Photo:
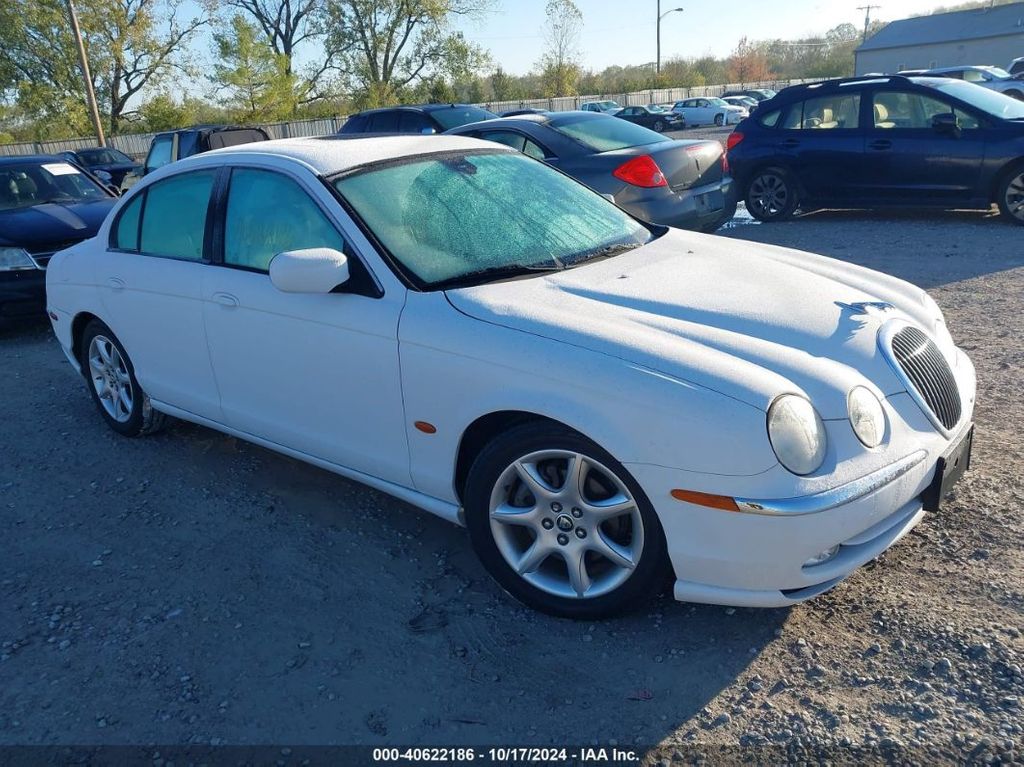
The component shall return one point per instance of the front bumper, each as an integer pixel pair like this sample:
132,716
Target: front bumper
701,208
757,557
22,295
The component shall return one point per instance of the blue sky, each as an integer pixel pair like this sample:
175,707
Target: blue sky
623,31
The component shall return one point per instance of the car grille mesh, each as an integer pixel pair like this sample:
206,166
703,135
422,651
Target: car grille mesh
928,372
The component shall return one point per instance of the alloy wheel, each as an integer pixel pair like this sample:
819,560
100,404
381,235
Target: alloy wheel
566,524
110,379
769,195
1015,197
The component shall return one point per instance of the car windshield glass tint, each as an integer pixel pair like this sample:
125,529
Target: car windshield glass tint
989,101
453,117
27,184
462,217
103,157
606,134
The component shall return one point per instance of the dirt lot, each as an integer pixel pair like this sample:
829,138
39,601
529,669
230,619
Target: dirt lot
191,588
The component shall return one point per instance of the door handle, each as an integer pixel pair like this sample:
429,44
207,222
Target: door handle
790,143
881,144
225,299
115,283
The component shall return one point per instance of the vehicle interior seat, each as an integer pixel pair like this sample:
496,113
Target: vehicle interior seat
882,116
827,119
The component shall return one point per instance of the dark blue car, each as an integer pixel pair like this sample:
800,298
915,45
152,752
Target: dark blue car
875,142
46,205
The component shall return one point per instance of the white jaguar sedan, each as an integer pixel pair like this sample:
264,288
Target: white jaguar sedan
601,401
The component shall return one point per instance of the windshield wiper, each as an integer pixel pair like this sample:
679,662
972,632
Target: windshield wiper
494,274
608,251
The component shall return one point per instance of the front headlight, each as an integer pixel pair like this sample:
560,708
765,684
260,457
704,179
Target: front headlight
796,433
15,259
866,416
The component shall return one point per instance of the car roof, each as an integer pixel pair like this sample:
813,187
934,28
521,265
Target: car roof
30,158
334,154
415,108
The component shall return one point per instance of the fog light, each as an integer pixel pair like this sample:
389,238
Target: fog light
823,557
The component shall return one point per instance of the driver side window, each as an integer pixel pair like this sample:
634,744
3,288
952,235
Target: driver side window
267,214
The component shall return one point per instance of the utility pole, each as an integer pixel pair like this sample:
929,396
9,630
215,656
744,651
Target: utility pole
90,95
867,17
657,65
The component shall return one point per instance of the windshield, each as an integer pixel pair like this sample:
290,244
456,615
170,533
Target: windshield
1001,74
655,108
453,117
457,219
988,101
94,157
23,185
604,133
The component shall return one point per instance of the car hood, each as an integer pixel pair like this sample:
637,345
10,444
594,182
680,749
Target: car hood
43,225
747,320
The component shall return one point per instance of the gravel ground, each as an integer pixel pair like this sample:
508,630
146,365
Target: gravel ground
191,588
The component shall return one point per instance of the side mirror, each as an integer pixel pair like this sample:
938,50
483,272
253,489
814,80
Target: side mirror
314,270
947,123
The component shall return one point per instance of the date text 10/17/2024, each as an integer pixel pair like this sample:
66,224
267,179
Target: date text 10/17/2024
503,754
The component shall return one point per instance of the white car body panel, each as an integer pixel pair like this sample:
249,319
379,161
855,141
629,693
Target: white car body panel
668,357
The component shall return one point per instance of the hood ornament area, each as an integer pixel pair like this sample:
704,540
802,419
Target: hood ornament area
865,307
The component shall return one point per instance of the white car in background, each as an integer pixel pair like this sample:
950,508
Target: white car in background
601,401
709,111
990,77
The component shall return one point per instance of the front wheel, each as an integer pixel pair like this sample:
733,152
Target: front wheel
659,126
1011,195
719,120
771,195
561,525
108,370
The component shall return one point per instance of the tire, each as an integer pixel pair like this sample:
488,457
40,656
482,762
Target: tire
771,195
515,515
1010,195
109,374
719,120
659,126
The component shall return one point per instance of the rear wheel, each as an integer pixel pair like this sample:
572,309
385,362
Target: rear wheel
720,120
771,195
1011,195
561,525
108,370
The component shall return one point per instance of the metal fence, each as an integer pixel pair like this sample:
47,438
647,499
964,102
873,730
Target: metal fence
137,144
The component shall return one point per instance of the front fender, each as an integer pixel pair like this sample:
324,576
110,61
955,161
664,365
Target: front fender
456,369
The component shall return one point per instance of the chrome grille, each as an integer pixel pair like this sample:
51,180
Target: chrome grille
45,253
928,372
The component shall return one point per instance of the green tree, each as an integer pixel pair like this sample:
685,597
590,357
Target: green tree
559,65
254,81
504,86
390,45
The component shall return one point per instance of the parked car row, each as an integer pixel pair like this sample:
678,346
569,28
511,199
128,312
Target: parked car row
880,141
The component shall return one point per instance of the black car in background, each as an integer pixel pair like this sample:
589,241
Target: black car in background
109,165
414,118
177,145
46,205
881,141
675,183
653,116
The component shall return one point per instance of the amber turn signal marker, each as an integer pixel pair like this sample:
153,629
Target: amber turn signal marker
426,428
723,502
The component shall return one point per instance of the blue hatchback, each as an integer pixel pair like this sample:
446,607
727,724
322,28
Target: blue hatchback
874,142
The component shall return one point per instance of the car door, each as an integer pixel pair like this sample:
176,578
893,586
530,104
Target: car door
908,160
822,142
150,282
316,373
632,114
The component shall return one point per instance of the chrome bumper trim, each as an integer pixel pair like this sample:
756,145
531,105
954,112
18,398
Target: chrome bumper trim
837,496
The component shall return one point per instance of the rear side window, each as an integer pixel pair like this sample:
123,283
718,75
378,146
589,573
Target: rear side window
770,119
126,232
222,138
837,111
606,134
174,217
